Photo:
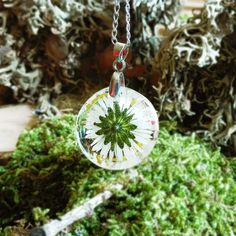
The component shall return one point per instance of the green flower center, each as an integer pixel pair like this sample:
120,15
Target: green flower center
116,127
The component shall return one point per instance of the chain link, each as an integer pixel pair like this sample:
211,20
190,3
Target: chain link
116,21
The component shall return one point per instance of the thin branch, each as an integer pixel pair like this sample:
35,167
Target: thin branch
55,226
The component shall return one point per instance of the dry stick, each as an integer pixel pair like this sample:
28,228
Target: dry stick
55,226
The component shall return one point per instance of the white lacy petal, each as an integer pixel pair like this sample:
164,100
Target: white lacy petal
111,155
129,153
124,103
126,150
136,146
103,106
91,128
92,118
91,135
97,111
105,150
147,132
143,124
139,137
118,153
108,102
98,143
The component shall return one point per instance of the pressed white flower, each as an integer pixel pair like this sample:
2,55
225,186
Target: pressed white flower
117,133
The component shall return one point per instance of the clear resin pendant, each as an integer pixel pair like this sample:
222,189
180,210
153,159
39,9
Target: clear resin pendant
117,132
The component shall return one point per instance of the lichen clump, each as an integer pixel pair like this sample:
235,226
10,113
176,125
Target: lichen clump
185,187
197,66
49,47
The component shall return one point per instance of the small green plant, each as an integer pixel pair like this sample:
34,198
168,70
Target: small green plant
40,215
116,127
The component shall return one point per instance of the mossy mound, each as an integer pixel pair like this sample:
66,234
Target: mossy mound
184,188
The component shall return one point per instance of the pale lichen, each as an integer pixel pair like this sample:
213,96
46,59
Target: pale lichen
34,30
196,62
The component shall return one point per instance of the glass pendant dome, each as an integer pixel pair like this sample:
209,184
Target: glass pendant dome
117,133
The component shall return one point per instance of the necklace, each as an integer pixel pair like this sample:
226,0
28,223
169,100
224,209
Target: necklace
117,127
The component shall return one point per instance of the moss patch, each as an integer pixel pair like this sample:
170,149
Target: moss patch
185,188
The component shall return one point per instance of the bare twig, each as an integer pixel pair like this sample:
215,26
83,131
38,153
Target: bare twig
55,226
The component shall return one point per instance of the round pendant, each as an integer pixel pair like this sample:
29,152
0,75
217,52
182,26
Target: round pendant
117,133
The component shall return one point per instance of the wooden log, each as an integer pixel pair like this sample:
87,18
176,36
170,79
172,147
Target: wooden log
56,226
189,5
13,120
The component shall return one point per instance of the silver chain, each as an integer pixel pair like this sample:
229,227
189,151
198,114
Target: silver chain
116,21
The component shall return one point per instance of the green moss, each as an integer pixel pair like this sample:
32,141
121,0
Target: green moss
185,188
37,175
